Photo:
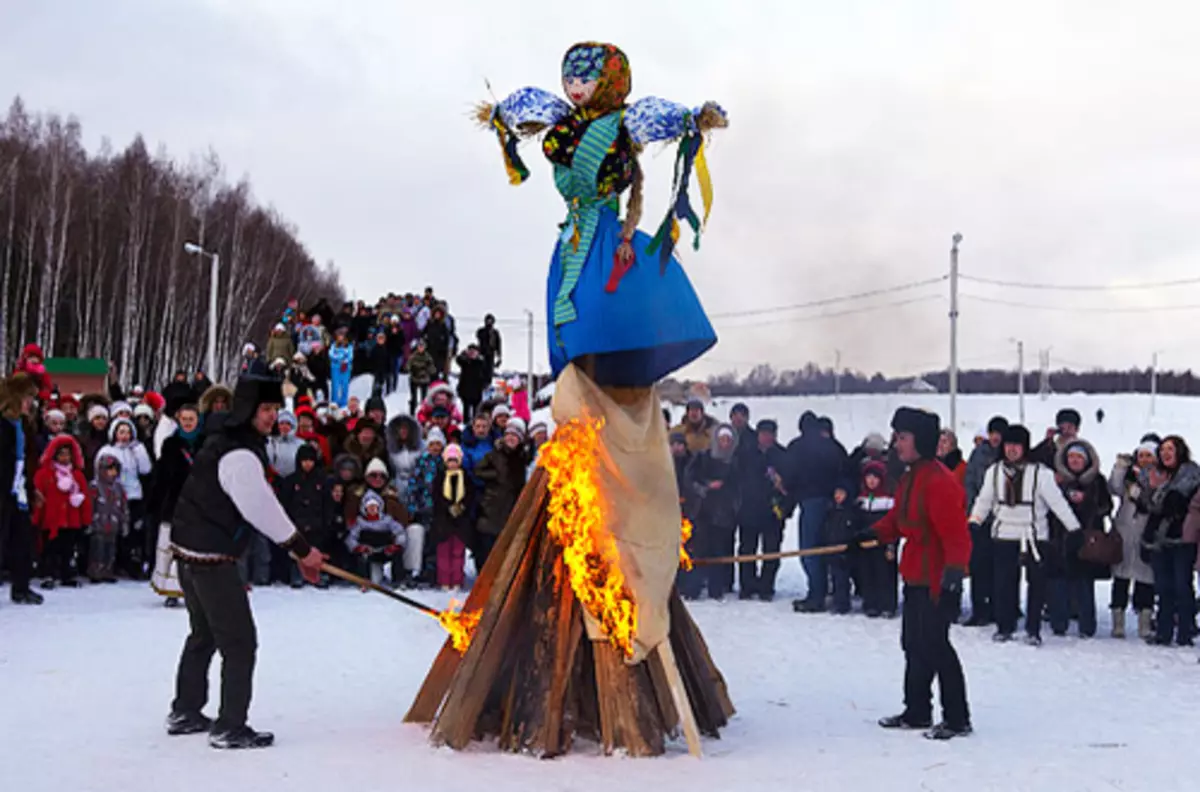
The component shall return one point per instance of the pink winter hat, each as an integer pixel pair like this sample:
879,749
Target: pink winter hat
453,451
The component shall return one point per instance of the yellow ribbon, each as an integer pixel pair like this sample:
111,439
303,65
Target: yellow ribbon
705,181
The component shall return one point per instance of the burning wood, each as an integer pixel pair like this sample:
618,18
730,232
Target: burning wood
460,624
577,523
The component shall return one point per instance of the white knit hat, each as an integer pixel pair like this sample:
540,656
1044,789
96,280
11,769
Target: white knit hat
376,465
1149,446
435,436
143,409
96,411
55,415
501,409
286,417
515,426
119,407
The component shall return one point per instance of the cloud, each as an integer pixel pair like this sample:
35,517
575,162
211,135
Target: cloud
1060,138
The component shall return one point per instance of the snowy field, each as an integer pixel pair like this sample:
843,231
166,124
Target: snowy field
86,679
85,682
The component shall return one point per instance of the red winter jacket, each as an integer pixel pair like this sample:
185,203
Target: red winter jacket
56,512
37,371
929,514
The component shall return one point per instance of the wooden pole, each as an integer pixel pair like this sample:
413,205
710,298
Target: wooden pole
683,706
350,577
812,551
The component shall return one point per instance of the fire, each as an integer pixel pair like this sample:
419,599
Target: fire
685,534
460,624
576,522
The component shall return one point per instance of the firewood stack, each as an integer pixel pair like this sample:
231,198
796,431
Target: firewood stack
533,680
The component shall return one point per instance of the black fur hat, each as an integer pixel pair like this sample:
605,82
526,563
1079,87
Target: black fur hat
1068,416
925,428
1017,435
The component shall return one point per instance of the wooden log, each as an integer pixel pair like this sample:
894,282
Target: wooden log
680,697
433,691
477,671
629,716
703,680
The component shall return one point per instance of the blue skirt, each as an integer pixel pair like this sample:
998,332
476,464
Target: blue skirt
651,326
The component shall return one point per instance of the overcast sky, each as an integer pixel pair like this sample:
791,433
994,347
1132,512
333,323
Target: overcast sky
1061,138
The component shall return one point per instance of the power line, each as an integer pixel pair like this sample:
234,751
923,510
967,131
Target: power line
835,314
1085,309
1082,287
829,300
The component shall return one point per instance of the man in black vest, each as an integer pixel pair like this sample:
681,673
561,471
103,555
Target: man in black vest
225,498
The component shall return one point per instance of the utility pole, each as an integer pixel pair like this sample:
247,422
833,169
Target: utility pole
1044,369
1153,383
837,374
530,389
957,238
1021,379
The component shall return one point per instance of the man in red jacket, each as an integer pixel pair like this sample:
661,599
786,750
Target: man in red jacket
929,515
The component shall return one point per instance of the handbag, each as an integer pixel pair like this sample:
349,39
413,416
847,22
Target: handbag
1101,547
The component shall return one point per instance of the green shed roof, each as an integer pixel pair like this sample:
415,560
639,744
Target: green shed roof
96,367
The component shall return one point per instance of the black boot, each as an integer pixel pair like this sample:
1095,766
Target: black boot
27,597
902,721
242,737
187,723
944,731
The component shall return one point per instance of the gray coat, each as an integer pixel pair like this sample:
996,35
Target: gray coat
982,458
1129,524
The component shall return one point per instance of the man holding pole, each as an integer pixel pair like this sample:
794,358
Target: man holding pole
929,514
226,497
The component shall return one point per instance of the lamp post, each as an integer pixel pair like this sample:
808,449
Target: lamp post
196,250
956,239
530,390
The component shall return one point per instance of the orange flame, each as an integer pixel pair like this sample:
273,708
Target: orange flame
460,624
571,461
685,534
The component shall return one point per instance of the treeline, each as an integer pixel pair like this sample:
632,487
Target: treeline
91,247
763,380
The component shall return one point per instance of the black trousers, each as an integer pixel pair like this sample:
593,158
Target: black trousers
220,619
925,638
416,395
1007,564
1143,594
717,541
59,556
769,532
16,544
982,571
877,577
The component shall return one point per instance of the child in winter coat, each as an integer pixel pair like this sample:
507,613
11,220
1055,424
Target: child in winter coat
502,471
135,463
843,525
453,502
65,511
110,519
305,497
376,538
880,571
421,371
335,529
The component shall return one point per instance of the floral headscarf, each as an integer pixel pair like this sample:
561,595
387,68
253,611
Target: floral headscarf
605,64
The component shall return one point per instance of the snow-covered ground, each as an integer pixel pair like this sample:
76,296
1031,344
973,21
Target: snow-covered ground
86,679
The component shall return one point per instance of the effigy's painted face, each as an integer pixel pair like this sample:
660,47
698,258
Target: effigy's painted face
579,90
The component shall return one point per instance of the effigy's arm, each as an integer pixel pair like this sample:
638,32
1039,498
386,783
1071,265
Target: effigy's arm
523,113
652,120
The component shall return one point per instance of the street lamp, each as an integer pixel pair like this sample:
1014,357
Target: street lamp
195,250
1020,375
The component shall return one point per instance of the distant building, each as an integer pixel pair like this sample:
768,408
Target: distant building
917,386
78,375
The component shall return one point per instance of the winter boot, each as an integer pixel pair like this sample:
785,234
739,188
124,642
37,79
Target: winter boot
27,597
1145,624
944,731
242,737
1118,622
187,723
902,721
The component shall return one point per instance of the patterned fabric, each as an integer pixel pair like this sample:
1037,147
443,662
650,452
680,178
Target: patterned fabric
617,168
532,105
605,64
577,185
652,119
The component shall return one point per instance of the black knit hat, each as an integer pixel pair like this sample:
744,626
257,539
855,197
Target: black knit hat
1017,435
767,425
998,425
923,426
1068,416
741,408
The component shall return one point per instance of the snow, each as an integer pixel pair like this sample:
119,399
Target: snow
86,680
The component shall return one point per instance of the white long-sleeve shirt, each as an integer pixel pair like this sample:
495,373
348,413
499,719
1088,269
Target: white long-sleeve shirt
240,474
1026,520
